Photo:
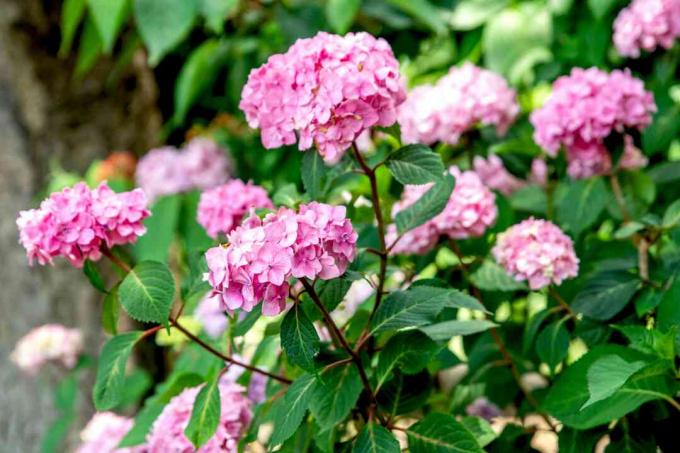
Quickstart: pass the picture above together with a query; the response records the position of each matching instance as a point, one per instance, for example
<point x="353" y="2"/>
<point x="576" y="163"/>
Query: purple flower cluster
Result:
<point x="201" y="164"/>
<point x="645" y="25"/>
<point x="76" y="222"/>
<point x="464" y="98"/>
<point x="328" y="89"/>
<point x="263" y="254"/>
<point x="222" y="208"/>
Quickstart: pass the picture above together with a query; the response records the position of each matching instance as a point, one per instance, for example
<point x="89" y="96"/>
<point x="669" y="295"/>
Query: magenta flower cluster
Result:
<point x="104" y="432"/>
<point x="586" y="107"/>
<point x="263" y="254"/>
<point x="646" y="25"/>
<point x="77" y="222"/>
<point x="327" y="89"/>
<point x="471" y="209"/>
<point x="460" y="101"/>
<point x="536" y="251"/>
<point x="201" y="164"/>
<point x="50" y="343"/>
<point x="167" y="432"/>
<point x="222" y="208"/>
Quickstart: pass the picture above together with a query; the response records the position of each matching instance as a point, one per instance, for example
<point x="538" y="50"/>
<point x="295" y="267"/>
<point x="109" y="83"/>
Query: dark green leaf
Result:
<point x="288" y="411"/>
<point x="335" y="397"/>
<point x="428" y="206"/>
<point x="532" y="327"/>
<point x="441" y="433"/>
<point x="299" y="338"/>
<point x="93" y="275"/>
<point x="671" y="217"/>
<point x="445" y="330"/>
<point x="480" y="430"/>
<point x="340" y="14"/>
<point x="375" y="439"/>
<point x="668" y="313"/>
<point x="205" y="416"/>
<point x="658" y="136"/>
<point x="332" y="292"/>
<point x="405" y="393"/>
<point x="577" y="441"/>
<point x="415" y="164"/>
<point x="314" y="173"/>
<point x="108" y="16"/>
<point x="108" y="387"/>
<point x="147" y="292"/>
<point x="163" y="24"/>
<point x="72" y="12"/>
<point x="650" y="341"/>
<point x="409" y="351"/>
<point x="161" y="227"/>
<point x="491" y="277"/>
<point x="582" y="204"/>
<point x="552" y="344"/>
<point x="110" y="312"/>
<point x="605" y="294"/>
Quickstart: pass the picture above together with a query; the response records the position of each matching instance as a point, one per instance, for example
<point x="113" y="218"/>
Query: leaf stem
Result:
<point x="563" y="304"/>
<point x="122" y="265"/>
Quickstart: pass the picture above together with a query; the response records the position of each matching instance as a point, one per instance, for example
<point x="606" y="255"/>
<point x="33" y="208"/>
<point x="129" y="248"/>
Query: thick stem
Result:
<point x="375" y="201"/>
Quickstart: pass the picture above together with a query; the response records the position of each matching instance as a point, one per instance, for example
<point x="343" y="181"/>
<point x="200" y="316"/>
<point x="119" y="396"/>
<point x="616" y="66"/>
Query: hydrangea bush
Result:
<point x="462" y="258"/>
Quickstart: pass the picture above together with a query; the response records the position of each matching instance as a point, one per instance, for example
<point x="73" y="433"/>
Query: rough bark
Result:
<point x="45" y="114"/>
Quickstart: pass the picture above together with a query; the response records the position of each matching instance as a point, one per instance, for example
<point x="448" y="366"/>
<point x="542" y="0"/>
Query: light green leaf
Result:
<point x="205" y="416"/>
<point x="215" y="12"/>
<point x="110" y="312"/>
<point x="109" y="16"/>
<point x="428" y="206"/>
<point x="375" y="439"/>
<point x="582" y="204"/>
<point x="163" y="24"/>
<point x="415" y="164"/>
<point x="530" y="199"/>
<point x="600" y="8"/>
<point x="608" y="374"/>
<point x="288" y="196"/>
<point x="289" y="410"/>
<point x="299" y="338"/>
<point x="147" y="292"/>
<point x="340" y="14"/>
<point x="605" y="294"/>
<point x="423" y="11"/>
<point x="491" y="277"/>
<point x="628" y="229"/>
<point x="198" y="74"/>
<point x="161" y="227"/>
<point x="72" y="12"/>
<point x="90" y="48"/>
<point x="410" y="351"/>
<point x="314" y="173"/>
<point x="552" y="344"/>
<point x="93" y="275"/>
<point x="671" y="217"/>
<point x="469" y="14"/>
<point x="441" y="433"/>
<point x="445" y="330"/>
<point x="650" y="341"/>
<point x="108" y="387"/>
<point x="480" y="430"/>
<point x="336" y="395"/>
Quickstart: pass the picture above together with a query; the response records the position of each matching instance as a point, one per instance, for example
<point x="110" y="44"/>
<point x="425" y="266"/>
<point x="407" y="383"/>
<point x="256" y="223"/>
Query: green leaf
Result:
<point x="244" y="325"/>
<point x="161" y="227"/>
<point x="531" y="328"/>
<point x="671" y="217"/>
<point x="198" y="74"/>
<point x="288" y="196"/>
<point x="491" y="277"/>
<point x="110" y="312"/>
<point x="108" y="387"/>
<point x="605" y="294"/>
<point x="331" y="293"/>
<point x="147" y="292"/>
<point x="664" y="128"/>
<point x="205" y="416"/>
<point x="608" y="374"/>
<point x="628" y="229"/>
<point x="90" y="48"/>
<point x="336" y="396"/>
<point x="410" y="351"/>
<point x="469" y="14"/>
<point x="405" y="393"/>
<point x="423" y="11"/>
<point x="215" y="12"/>
<point x="552" y="344"/>
<point x="289" y="410"/>
<point x="415" y="164"/>
<point x="72" y="12"/>
<point x="108" y="16"/>
<point x="577" y="441"/>
<point x="314" y="173"/>
<point x="428" y="206"/>
<point x="163" y="24"/>
<point x="93" y="275"/>
<point x="441" y="433"/>
<point x="340" y="14"/>
<point x="650" y="341"/>
<point x="375" y="439"/>
<point x="582" y="204"/>
<point x="418" y="306"/>
<point x="444" y="331"/>
<point x="530" y="199"/>
<point x="568" y="394"/>
<point x="600" y="8"/>
<point x="299" y="338"/>
<point x="480" y="430"/>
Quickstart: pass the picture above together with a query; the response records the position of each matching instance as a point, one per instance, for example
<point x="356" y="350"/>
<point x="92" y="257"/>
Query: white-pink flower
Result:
<point x="646" y="25"/>
<point x="50" y="343"/>
<point x="104" y="432"/>
<point x="494" y="175"/>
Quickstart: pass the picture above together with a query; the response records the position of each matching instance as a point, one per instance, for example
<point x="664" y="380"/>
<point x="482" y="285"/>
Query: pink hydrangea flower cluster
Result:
<point x="318" y="241"/>
<point x="222" y="208"/>
<point x="539" y="172"/>
<point x="210" y="313"/>
<point x="536" y="251"/>
<point x="593" y="159"/>
<point x="167" y="432"/>
<point x="645" y="25"/>
<point x="470" y="211"/>
<point x="585" y="108"/>
<point x="328" y="89"/>
<point x="494" y="175"/>
<point x="201" y="164"/>
<point x="103" y="433"/>
<point x="50" y="343"/>
<point x="459" y="101"/>
<point x="76" y="222"/>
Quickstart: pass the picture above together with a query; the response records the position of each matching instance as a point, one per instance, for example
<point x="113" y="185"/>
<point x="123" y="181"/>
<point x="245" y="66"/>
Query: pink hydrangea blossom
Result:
<point x="167" y="432"/>
<point x="210" y="313"/>
<point x="50" y="343"/>
<point x="328" y="89"/>
<point x="318" y="241"/>
<point x="471" y="209"/>
<point x="464" y="98"/>
<point x="645" y="25"/>
<point x="201" y="164"/>
<point x="536" y="251"/>
<point x="222" y="208"/>
<point x="494" y="175"/>
<point x="539" y="172"/>
<point x="594" y="159"/>
<point x="103" y="433"/>
<point x="76" y="222"/>
<point x="584" y="109"/>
